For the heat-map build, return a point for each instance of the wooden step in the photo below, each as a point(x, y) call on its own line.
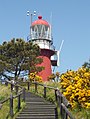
point(36, 117)
point(37, 108)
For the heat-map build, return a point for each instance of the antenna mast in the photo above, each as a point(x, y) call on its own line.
point(51, 25)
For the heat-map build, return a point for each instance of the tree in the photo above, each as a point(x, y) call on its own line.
point(87, 64)
point(18, 57)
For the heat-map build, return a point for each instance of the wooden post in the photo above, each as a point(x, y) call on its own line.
point(28, 83)
point(24, 94)
point(61, 99)
point(11, 87)
point(44, 91)
point(11, 105)
point(19, 102)
point(56, 94)
point(6, 83)
point(56, 113)
point(58, 98)
point(61, 108)
point(35, 87)
point(16, 89)
point(66, 115)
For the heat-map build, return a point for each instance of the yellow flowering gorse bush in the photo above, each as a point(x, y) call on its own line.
point(35, 77)
point(76, 87)
point(54, 77)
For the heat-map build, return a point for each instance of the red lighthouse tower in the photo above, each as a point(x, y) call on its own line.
point(40, 32)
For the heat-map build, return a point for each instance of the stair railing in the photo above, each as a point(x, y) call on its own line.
point(11, 98)
point(63, 105)
point(61, 100)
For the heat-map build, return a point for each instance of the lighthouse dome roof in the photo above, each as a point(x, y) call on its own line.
point(40, 21)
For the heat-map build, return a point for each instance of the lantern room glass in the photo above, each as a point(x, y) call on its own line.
point(40, 32)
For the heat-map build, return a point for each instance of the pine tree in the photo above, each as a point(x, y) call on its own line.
point(18, 57)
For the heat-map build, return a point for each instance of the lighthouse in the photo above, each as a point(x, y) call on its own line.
point(40, 33)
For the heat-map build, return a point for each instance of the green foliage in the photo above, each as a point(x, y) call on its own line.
point(4, 91)
point(50, 95)
point(1, 98)
point(87, 64)
point(17, 57)
point(5, 110)
point(81, 114)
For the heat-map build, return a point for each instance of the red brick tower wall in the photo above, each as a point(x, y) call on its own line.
point(45, 55)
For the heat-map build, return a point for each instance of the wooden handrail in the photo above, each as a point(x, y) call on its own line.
point(62, 102)
point(67, 112)
point(18, 95)
point(5, 100)
point(15, 96)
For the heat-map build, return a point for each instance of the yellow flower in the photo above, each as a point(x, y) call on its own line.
point(77, 86)
point(87, 105)
point(84, 99)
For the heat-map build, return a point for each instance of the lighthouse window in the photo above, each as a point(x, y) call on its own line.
point(41, 32)
point(39, 27)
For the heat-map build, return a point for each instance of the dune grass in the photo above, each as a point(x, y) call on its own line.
point(5, 110)
point(82, 113)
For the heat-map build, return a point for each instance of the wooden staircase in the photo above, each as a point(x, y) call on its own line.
point(37, 108)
